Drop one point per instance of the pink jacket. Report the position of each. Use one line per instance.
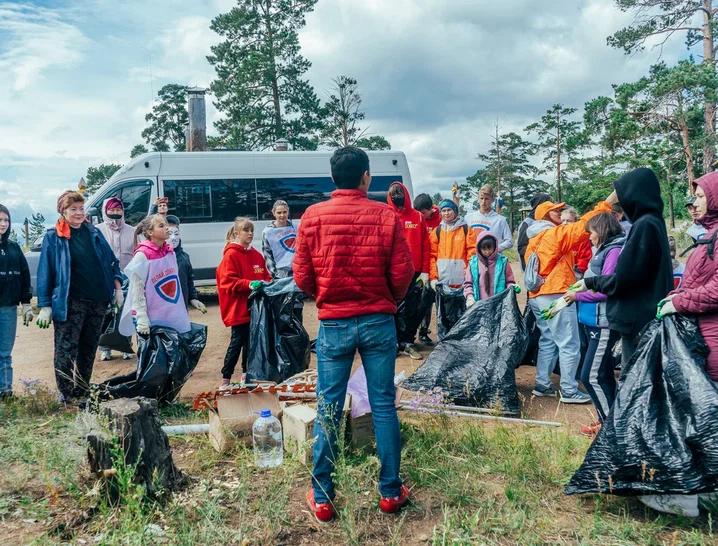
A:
(699, 293)
(486, 266)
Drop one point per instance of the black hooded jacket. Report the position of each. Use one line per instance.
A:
(14, 274)
(644, 273)
(186, 275)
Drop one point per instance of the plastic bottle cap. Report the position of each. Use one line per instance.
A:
(265, 413)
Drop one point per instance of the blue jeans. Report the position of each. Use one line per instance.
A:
(374, 336)
(8, 329)
(559, 338)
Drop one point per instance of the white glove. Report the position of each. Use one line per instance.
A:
(142, 323)
(119, 298)
(470, 300)
(434, 283)
(666, 307)
(554, 309)
(45, 317)
(198, 305)
(579, 286)
(424, 278)
(27, 315)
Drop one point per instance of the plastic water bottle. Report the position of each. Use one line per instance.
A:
(267, 439)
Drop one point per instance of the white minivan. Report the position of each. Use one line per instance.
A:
(207, 190)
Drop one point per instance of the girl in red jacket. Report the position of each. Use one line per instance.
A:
(241, 270)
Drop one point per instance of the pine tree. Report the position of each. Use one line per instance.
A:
(261, 89)
(96, 176)
(37, 227)
(560, 138)
(167, 120)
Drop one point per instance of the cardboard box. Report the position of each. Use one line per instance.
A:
(235, 414)
(298, 430)
(361, 430)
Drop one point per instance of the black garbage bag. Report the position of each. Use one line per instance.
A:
(165, 361)
(450, 306)
(279, 345)
(410, 312)
(474, 365)
(662, 434)
(534, 335)
(111, 337)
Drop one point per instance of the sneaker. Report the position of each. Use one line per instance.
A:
(426, 340)
(682, 505)
(127, 356)
(224, 384)
(391, 505)
(323, 511)
(410, 351)
(540, 390)
(105, 354)
(591, 430)
(577, 397)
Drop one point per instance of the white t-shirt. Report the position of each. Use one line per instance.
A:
(495, 224)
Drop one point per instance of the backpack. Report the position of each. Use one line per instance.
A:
(438, 232)
(532, 279)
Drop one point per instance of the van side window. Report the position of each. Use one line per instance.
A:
(201, 201)
(299, 193)
(380, 187)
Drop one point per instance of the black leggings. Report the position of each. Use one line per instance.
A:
(239, 342)
(597, 373)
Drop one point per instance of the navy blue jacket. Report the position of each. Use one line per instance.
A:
(53, 272)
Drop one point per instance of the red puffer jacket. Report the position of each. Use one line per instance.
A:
(699, 292)
(415, 230)
(351, 255)
(239, 267)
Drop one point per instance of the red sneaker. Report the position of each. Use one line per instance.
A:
(591, 430)
(323, 512)
(391, 505)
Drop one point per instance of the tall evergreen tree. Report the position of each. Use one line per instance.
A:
(507, 167)
(261, 89)
(560, 138)
(36, 227)
(96, 176)
(167, 120)
(695, 20)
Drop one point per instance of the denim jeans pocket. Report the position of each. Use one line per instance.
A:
(333, 337)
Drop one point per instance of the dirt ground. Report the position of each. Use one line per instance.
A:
(32, 360)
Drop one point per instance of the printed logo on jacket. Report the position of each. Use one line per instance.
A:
(288, 241)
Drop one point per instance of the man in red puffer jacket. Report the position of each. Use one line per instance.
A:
(417, 237)
(351, 254)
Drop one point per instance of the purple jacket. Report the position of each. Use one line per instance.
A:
(699, 293)
(609, 266)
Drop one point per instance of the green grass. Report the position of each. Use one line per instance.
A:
(472, 483)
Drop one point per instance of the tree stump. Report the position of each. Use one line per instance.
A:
(134, 432)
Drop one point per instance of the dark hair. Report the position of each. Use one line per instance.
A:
(6, 235)
(423, 202)
(348, 166)
(487, 242)
(172, 220)
(605, 225)
(539, 198)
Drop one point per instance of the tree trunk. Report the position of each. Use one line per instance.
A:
(671, 209)
(559, 194)
(135, 432)
(273, 72)
(687, 152)
(709, 105)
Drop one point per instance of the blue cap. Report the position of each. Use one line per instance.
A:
(265, 413)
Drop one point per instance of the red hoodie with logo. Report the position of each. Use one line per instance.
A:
(415, 229)
(239, 267)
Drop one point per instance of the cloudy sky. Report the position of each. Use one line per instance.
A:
(79, 76)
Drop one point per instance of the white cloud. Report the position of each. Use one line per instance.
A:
(435, 76)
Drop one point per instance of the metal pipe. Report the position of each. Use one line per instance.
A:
(483, 417)
(181, 430)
